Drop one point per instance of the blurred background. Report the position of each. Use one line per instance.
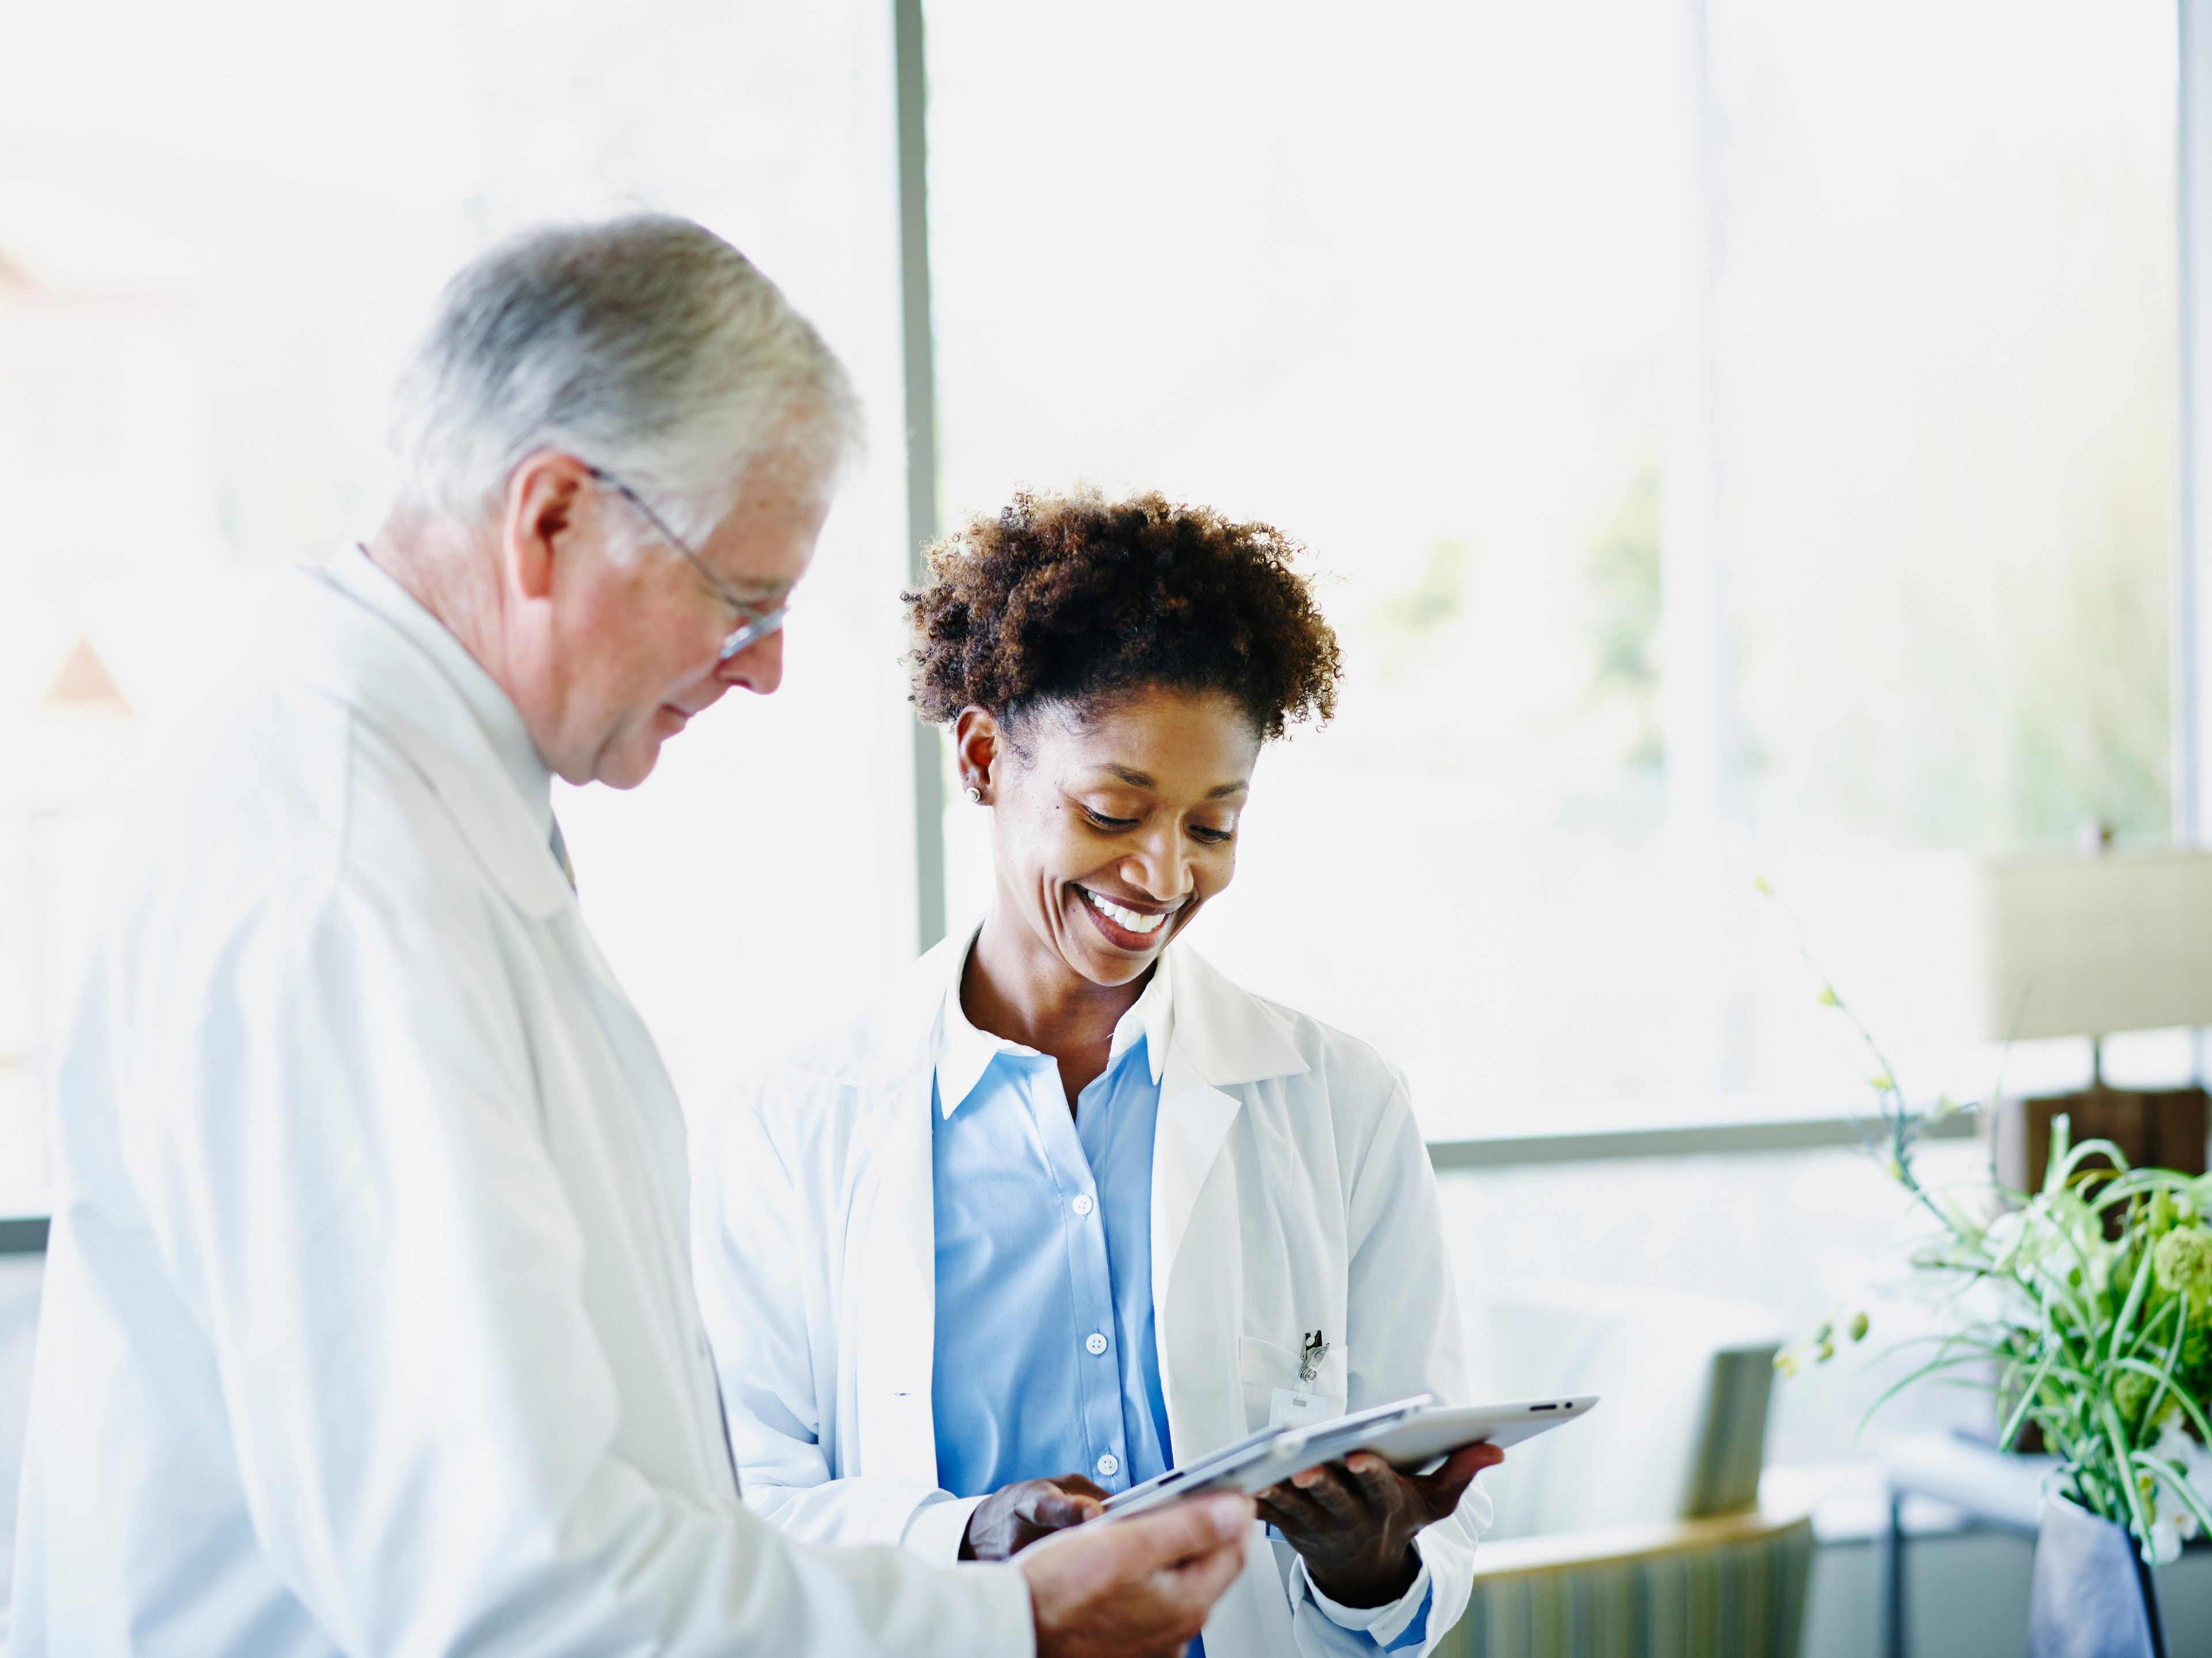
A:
(1736, 440)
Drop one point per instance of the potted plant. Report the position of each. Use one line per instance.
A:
(2086, 1308)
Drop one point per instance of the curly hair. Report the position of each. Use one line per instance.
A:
(1073, 599)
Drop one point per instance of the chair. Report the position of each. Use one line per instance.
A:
(1635, 1532)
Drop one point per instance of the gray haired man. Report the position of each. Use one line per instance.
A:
(367, 1325)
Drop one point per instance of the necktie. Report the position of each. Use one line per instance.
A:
(559, 843)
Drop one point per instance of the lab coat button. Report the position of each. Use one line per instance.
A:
(1083, 1204)
(1110, 1465)
(1094, 1343)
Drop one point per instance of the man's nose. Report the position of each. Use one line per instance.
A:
(758, 667)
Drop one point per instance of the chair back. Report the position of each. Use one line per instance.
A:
(1681, 1431)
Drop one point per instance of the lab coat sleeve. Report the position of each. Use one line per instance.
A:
(760, 1256)
(349, 1174)
(1402, 1336)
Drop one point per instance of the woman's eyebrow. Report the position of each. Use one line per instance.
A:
(1138, 779)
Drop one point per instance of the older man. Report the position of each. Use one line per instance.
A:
(369, 1327)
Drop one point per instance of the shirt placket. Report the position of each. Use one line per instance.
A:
(1090, 1283)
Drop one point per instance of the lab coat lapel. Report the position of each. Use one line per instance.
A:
(1192, 1311)
(1224, 1038)
(337, 644)
(890, 1272)
(897, 1260)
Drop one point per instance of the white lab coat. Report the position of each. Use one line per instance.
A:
(1292, 1192)
(369, 1327)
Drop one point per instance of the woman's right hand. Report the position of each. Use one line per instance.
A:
(1014, 1516)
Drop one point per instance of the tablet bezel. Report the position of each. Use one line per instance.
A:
(1262, 1459)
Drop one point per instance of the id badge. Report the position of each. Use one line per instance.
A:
(1293, 1407)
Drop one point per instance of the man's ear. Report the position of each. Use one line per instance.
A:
(543, 499)
(979, 745)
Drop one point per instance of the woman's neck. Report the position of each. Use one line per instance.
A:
(1015, 987)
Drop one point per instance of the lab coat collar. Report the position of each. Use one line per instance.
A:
(362, 577)
(965, 1052)
(351, 631)
(1215, 1029)
(1223, 1032)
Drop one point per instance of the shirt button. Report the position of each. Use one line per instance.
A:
(1083, 1204)
(1094, 1343)
(1110, 1465)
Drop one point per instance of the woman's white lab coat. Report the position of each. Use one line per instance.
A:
(1292, 1192)
(368, 1326)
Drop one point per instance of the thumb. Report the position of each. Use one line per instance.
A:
(1197, 1525)
(1057, 1508)
(1442, 1489)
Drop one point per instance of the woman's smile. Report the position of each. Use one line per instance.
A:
(1133, 925)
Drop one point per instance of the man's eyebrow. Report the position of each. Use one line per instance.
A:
(1137, 779)
(760, 593)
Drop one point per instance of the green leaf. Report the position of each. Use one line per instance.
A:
(2123, 1455)
(2177, 1480)
(1934, 1367)
(2065, 1169)
(2136, 1291)
(2011, 1430)
(2188, 1407)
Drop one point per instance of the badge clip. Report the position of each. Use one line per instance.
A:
(1311, 1351)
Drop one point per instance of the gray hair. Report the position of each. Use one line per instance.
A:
(648, 346)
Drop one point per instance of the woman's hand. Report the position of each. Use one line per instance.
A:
(1355, 1521)
(1014, 1516)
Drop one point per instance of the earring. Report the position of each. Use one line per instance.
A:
(974, 794)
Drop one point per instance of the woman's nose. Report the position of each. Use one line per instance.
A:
(1162, 870)
(758, 667)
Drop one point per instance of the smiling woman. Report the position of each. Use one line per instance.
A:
(1126, 1210)
(1109, 671)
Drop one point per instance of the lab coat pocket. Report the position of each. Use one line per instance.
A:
(1267, 1369)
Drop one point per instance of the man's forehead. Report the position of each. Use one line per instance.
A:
(765, 543)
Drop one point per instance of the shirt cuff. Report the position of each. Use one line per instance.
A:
(939, 1526)
(1394, 1624)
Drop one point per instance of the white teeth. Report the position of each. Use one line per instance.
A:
(1128, 918)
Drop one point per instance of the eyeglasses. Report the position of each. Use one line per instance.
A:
(755, 622)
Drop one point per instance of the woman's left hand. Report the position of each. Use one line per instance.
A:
(1355, 1521)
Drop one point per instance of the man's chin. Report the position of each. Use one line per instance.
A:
(626, 767)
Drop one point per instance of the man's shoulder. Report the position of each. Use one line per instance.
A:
(281, 799)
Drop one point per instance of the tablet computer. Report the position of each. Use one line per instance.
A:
(1406, 1433)
(1421, 1443)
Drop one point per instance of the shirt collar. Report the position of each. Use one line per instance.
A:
(964, 1053)
(1151, 1021)
(361, 577)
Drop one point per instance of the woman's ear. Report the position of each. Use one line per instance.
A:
(979, 746)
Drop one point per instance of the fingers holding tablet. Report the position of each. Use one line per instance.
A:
(1354, 1520)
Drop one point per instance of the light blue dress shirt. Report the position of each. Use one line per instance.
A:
(1046, 1361)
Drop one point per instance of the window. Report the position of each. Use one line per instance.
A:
(1782, 488)
(1728, 454)
(219, 234)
